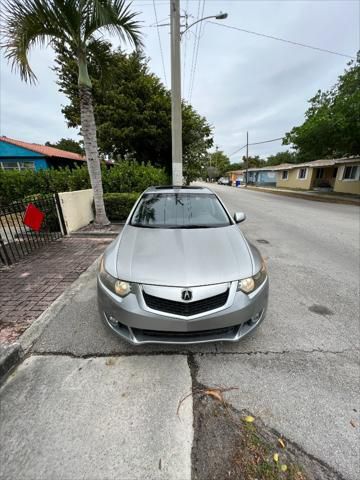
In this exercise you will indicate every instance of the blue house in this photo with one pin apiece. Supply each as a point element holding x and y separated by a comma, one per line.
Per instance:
<point>19,155</point>
<point>262,176</point>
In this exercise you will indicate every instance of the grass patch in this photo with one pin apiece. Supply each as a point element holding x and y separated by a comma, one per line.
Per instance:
<point>232,445</point>
<point>254,458</point>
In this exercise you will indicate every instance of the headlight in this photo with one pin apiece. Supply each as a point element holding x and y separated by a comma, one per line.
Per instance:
<point>248,285</point>
<point>119,287</point>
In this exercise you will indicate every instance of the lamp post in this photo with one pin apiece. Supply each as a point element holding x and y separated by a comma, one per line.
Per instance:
<point>176,120</point>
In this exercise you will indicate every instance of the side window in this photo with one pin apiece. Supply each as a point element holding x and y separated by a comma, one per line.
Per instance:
<point>27,165</point>
<point>302,173</point>
<point>350,173</point>
<point>285,175</point>
<point>9,165</point>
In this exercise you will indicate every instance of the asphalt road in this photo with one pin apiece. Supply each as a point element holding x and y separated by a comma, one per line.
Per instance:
<point>299,373</point>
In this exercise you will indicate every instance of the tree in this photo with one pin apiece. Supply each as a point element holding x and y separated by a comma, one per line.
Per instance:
<point>281,157</point>
<point>237,166</point>
<point>332,123</point>
<point>76,24</point>
<point>67,144</point>
<point>253,162</point>
<point>132,109</point>
<point>220,161</point>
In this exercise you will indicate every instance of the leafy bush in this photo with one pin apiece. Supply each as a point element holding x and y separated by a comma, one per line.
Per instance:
<point>119,205</point>
<point>130,176</point>
<point>125,177</point>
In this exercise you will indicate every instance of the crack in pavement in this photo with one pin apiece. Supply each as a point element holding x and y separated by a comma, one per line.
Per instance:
<point>189,353</point>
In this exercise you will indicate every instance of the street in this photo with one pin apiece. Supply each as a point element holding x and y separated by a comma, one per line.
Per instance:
<point>85,404</point>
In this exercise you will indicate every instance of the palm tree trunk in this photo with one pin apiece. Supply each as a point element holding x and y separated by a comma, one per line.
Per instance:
<point>88,129</point>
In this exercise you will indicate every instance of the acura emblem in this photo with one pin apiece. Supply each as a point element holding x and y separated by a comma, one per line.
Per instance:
<point>186,295</point>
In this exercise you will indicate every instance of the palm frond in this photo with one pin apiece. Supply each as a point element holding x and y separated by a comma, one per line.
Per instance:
<point>113,17</point>
<point>30,23</point>
<point>26,24</point>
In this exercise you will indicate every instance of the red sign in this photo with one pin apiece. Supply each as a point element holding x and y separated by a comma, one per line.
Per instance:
<point>33,217</point>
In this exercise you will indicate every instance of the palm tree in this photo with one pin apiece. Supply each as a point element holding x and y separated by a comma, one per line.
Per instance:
<point>76,23</point>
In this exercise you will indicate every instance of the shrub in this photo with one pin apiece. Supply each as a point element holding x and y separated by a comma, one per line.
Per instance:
<point>125,177</point>
<point>129,176</point>
<point>119,205</point>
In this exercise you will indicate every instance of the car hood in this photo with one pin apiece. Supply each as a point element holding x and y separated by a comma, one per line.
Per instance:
<point>182,257</point>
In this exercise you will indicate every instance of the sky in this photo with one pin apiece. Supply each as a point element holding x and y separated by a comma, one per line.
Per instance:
<point>239,81</point>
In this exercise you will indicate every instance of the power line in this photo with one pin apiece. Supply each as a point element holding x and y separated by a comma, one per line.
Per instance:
<point>197,50</point>
<point>185,46</point>
<point>256,143</point>
<point>160,46</point>
<point>283,40</point>
<point>194,48</point>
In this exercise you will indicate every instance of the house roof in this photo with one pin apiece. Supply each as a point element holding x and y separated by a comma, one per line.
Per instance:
<point>318,163</point>
<point>44,150</point>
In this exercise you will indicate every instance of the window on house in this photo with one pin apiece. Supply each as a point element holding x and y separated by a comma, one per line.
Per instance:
<point>285,175</point>
<point>302,173</point>
<point>350,173</point>
<point>9,165</point>
<point>335,172</point>
<point>319,173</point>
<point>27,165</point>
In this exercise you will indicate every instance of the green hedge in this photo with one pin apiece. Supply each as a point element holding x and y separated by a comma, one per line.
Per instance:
<point>125,177</point>
<point>119,205</point>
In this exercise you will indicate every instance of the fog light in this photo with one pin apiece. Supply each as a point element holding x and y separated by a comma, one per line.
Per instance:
<point>256,317</point>
<point>111,319</point>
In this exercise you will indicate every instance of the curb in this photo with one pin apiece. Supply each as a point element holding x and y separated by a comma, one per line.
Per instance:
<point>306,196</point>
<point>11,355</point>
<point>94,234</point>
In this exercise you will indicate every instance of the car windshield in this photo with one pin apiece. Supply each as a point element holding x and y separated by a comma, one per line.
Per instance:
<point>179,210</point>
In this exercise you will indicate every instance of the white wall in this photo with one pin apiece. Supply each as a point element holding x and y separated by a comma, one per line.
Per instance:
<point>77,208</point>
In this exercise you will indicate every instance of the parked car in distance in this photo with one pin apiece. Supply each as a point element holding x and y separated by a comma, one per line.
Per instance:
<point>181,271</point>
<point>224,181</point>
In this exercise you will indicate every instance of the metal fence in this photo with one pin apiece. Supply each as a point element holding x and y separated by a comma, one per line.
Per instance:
<point>18,240</point>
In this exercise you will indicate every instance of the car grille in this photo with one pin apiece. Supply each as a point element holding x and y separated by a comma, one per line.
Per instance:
<point>186,309</point>
<point>202,334</point>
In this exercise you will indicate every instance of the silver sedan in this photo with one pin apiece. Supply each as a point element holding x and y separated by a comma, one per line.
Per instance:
<point>181,271</point>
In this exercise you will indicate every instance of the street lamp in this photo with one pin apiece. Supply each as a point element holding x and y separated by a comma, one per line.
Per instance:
<point>176,120</point>
<point>219,16</point>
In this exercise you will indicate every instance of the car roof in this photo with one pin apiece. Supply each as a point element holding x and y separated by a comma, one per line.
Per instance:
<point>178,189</point>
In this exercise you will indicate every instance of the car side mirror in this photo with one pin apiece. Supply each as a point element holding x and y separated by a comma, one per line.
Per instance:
<point>239,217</point>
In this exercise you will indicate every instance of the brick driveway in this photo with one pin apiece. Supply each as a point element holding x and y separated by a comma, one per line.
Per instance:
<point>30,287</point>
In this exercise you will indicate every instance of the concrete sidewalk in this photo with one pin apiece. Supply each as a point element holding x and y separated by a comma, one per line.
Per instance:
<point>96,418</point>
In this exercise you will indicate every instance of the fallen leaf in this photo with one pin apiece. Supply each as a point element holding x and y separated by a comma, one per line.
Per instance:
<point>110,361</point>
<point>352,423</point>
<point>214,392</point>
<point>283,468</point>
<point>276,457</point>
<point>281,443</point>
<point>249,419</point>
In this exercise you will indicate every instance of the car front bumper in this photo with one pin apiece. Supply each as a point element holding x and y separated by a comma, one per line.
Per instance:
<point>128,318</point>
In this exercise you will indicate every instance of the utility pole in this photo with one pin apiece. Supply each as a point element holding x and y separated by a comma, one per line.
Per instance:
<point>176,121</point>
<point>247,158</point>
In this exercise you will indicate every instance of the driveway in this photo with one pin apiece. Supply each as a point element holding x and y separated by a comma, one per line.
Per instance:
<point>85,404</point>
